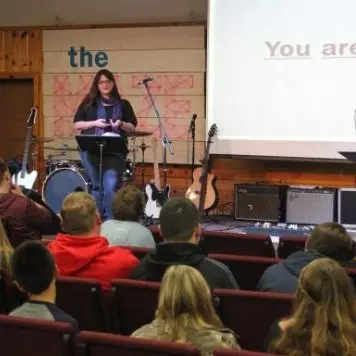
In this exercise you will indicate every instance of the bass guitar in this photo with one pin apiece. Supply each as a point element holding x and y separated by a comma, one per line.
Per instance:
<point>203,192</point>
<point>23,178</point>
<point>156,196</point>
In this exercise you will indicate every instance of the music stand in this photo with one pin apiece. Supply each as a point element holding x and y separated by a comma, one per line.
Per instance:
<point>106,144</point>
<point>351,156</point>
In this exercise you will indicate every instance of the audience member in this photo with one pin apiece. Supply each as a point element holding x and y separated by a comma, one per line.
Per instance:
<point>6,250</point>
<point>179,226</point>
<point>125,230</point>
<point>326,240</point>
<point>324,318</point>
<point>25,219</point>
<point>34,270</point>
<point>186,313</point>
<point>81,251</point>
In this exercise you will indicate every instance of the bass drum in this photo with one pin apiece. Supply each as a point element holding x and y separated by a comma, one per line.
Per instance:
<point>59,184</point>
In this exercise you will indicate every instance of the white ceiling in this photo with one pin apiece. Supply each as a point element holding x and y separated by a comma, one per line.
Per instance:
<point>90,12</point>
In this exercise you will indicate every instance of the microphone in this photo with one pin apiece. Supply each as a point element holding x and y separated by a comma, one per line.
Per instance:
<point>192,122</point>
<point>146,80</point>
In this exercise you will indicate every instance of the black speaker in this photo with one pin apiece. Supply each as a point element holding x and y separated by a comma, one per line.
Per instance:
<point>260,202</point>
<point>311,206</point>
<point>346,207</point>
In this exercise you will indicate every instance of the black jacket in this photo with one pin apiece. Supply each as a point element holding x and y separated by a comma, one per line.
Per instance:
<point>283,276</point>
<point>153,266</point>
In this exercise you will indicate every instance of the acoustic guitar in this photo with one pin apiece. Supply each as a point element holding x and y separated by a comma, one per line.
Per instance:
<point>203,192</point>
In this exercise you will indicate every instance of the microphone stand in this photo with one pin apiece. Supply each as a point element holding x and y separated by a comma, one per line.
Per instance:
<point>165,140</point>
<point>192,129</point>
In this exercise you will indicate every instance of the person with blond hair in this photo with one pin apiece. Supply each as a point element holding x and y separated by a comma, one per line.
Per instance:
<point>186,314</point>
<point>80,251</point>
<point>323,321</point>
<point>125,230</point>
<point>6,250</point>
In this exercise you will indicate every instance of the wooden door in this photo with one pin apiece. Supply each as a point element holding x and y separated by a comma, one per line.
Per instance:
<point>16,100</point>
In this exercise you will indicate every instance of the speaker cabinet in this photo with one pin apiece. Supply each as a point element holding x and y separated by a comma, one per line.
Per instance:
<point>346,207</point>
<point>259,202</point>
<point>310,206</point>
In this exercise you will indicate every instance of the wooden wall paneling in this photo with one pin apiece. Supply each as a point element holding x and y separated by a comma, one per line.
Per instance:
<point>172,37</point>
<point>3,53</point>
<point>174,56</point>
<point>169,83</point>
<point>173,60</point>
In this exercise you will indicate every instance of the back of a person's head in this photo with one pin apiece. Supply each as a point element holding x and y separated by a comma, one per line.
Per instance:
<point>78,213</point>
<point>185,302</point>
<point>128,204</point>
<point>3,169</point>
<point>324,317</point>
<point>179,220</point>
<point>331,240</point>
<point>6,249</point>
<point>33,267</point>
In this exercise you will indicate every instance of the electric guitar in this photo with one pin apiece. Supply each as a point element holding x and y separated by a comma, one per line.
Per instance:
<point>203,192</point>
<point>156,196</point>
<point>23,178</point>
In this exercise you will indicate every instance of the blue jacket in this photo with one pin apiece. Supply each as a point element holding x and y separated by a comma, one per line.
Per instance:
<point>283,276</point>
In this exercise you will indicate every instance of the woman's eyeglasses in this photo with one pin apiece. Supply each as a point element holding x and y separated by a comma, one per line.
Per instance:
<point>104,82</point>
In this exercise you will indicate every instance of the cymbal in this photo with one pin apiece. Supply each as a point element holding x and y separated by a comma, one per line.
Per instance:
<point>138,133</point>
<point>63,149</point>
<point>37,139</point>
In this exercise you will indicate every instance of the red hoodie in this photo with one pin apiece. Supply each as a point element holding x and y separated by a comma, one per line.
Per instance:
<point>91,257</point>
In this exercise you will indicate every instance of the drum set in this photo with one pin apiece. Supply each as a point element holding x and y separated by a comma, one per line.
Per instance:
<point>64,176</point>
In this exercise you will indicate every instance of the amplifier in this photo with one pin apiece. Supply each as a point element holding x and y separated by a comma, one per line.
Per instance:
<point>311,206</point>
<point>346,207</point>
<point>259,202</point>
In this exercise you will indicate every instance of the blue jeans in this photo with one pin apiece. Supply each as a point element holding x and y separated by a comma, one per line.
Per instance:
<point>113,167</point>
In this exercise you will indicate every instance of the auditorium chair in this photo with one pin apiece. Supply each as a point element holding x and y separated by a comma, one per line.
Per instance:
<point>247,270</point>
<point>290,244</point>
<point>237,244</point>
<point>135,303</point>
<point>138,252</point>
<point>156,234</point>
<point>99,344</point>
<point>228,352</point>
<point>29,337</point>
<point>83,299</point>
<point>3,304</point>
<point>250,314</point>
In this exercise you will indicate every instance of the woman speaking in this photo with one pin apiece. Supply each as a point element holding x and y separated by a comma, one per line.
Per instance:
<point>102,111</point>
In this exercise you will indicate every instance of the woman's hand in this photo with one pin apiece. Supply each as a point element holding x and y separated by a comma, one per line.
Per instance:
<point>116,124</point>
<point>101,123</point>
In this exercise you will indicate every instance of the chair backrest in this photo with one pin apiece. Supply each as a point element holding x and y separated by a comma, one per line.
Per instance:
<point>3,304</point>
<point>250,314</point>
<point>227,352</point>
<point>135,303</point>
<point>247,270</point>
<point>156,234</point>
<point>138,252</point>
<point>290,244</point>
<point>99,344</point>
<point>21,336</point>
<point>82,299</point>
<point>237,244</point>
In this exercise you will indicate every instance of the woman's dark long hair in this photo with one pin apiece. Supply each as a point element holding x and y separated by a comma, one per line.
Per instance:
<point>94,93</point>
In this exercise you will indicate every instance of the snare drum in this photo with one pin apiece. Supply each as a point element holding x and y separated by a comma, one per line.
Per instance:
<point>59,184</point>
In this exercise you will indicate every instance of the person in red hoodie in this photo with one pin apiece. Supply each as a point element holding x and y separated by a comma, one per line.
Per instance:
<point>81,251</point>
